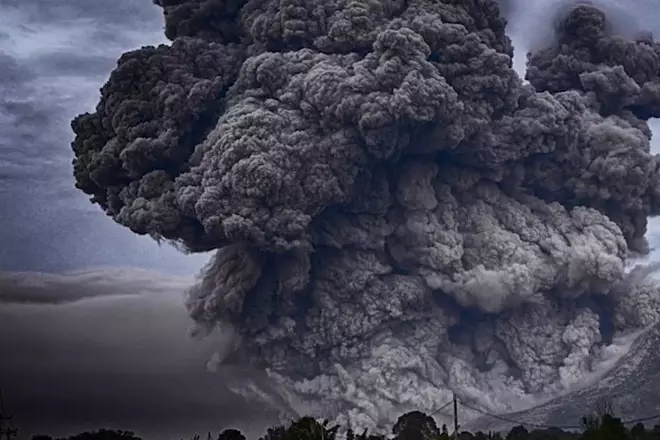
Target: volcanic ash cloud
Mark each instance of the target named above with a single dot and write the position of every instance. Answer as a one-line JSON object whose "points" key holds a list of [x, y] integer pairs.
{"points": [[394, 213]]}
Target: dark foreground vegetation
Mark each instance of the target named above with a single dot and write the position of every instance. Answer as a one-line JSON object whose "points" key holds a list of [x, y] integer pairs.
{"points": [[416, 426]]}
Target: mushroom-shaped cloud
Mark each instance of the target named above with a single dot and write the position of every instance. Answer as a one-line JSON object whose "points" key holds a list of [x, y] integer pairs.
{"points": [[394, 212]]}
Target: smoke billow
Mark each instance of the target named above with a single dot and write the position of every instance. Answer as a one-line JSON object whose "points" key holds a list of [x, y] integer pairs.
{"points": [[395, 213]]}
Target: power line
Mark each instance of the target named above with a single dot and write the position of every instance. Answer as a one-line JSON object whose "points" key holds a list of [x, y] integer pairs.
{"points": [[538, 425], [442, 407], [642, 419], [505, 419], [436, 411]]}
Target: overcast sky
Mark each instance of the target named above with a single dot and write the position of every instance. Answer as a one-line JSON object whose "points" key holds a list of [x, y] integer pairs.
{"points": [[105, 345], [54, 56]]}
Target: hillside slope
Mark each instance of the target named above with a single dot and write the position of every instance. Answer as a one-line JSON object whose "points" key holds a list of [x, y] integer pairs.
{"points": [[633, 386]]}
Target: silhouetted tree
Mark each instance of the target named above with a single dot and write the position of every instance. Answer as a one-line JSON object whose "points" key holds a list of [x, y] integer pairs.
{"points": [[415, 425], [605, 427], [106, 434], [638, 432], [480, 436], [306, 428], [231, 434], [276, 433], [464, 435], [518, 433]]}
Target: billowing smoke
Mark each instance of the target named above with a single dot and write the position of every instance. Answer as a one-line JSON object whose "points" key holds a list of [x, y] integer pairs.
{"points": [[395, 213]]}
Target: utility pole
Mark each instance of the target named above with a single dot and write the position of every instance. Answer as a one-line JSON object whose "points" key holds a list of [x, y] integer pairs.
{"points": [[7, 432], [455, 416]]}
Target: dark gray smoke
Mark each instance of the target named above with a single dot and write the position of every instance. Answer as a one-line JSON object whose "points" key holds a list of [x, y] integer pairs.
{"points": [[395, 213]]}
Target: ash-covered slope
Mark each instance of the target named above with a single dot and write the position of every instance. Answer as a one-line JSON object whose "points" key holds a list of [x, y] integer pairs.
{"points": [[395, 214], [632, 386]]}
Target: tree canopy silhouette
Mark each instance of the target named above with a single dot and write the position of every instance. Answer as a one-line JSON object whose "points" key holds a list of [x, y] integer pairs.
{"points": [[602, 424]]}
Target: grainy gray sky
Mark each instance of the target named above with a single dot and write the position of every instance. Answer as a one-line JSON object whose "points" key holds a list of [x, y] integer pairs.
{"points": [[55, 55], [106, 346]]}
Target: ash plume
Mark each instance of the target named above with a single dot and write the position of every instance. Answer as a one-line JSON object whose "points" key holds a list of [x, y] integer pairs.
{"points": [[395, 213]]}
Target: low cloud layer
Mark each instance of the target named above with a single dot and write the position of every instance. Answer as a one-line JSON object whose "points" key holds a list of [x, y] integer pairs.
{"points": [[110, 348], [49, 288]]}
